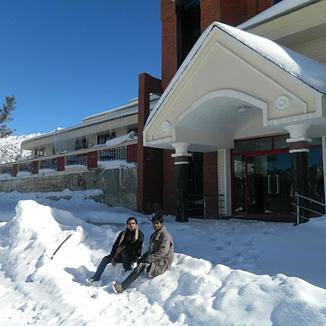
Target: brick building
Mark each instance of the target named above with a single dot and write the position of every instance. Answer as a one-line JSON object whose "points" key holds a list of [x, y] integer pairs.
{"points": [[236, 149]]}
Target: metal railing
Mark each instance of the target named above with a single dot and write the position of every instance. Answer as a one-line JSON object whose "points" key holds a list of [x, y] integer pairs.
{"points": [[80, 159], [48, 164], [200, 204], [303, 210], [77, 157], [25, 167], [117, 153]]}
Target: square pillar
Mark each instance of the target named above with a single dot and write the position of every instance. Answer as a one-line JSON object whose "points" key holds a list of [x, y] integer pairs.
{"points": [[92, 160], [35, 167], [60, 163]]}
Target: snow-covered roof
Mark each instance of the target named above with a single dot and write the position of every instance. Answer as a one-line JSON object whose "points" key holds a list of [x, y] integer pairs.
{"points": [[309, 71], [119, 112], [131, 106], [282, 8]]}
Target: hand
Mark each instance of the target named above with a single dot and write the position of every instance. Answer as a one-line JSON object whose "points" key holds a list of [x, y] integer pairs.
{"points": [[142, 259]]}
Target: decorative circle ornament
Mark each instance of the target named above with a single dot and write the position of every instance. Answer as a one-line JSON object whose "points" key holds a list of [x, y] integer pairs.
{"points": [[166, 126], [282, 103]]}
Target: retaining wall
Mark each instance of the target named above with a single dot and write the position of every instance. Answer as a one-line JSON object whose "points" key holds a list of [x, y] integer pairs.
{"points": [[118, 185]]}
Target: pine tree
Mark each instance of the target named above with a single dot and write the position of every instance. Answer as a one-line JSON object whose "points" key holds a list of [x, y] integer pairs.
{"points": [[5, 115]]}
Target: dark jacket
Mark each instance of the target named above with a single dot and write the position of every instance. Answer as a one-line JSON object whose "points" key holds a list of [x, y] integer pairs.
{"points": [[160, 253], [126, 240]]}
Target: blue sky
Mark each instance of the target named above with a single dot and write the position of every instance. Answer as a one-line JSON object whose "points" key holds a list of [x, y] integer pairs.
{"points": [[67, 59]]}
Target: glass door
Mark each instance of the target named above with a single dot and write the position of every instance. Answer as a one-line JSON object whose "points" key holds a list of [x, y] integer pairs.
{"points": [[268, 184], [261, 180]]}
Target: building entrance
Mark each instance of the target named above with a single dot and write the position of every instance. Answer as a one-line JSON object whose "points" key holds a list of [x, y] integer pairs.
{"points": [[262, 177]]}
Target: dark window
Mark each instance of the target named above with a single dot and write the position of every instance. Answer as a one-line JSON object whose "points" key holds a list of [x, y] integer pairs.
{"points": [[81, 143], [188, 27], [102, 139], [39, 152], [133, 129], [274, 2]]}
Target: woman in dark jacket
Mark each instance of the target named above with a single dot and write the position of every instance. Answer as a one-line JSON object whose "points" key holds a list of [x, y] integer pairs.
{"points": [[126, 249]]}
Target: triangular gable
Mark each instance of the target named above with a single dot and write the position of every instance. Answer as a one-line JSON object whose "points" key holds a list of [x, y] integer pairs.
{"points": [[297, 81]]}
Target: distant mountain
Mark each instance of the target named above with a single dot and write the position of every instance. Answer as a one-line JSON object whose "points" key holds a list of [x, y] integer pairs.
{"points": [[10, 148]]}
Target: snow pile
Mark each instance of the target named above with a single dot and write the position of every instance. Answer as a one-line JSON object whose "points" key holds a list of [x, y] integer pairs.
{"points": [[10, 148], [78, 203], [309, 71], [115, 164], [195, 291], [119, 140]]}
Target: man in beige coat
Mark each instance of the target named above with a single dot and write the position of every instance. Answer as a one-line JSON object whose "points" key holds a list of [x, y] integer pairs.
{"points": [[157, 259]]}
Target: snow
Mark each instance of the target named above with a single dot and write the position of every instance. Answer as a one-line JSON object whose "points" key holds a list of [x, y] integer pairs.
{"points": [[119, 140], [115, 164], [10, 148], [281, 8], [46, 171], [225, 272], [307, 70]]}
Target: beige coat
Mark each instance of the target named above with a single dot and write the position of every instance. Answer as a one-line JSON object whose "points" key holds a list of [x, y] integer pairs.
{"points": [[160, 253]]}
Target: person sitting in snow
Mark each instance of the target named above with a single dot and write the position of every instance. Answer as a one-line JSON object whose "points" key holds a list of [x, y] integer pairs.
{"points": [[126, 249], [156, 260]]}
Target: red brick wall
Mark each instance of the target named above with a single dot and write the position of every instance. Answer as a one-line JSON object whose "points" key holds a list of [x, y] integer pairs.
{"points": [[14, 170], [169, 41], [60, 163], [92, 160], [231, 12], [35, 167], [132, 153], [149, 167], [210, 11], [210, 183]]}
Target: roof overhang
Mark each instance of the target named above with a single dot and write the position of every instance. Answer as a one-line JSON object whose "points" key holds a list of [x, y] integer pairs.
{"points": [[226, 90]]}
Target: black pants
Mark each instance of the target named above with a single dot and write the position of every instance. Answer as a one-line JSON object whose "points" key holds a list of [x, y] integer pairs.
{"points": [[125, 258], [134, 275]]}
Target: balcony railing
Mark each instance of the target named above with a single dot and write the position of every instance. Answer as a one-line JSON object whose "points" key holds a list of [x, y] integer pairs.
{"points": [[48, 164], [118, 153], [80, 159], [87, 157]]}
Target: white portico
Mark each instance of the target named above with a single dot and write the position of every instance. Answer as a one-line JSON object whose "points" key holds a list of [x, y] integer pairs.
{"points": [[235, 85]]}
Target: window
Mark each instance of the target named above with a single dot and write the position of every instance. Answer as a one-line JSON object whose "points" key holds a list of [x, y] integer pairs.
{"points": [[101, 139], [39, 152], [81, 143], [133, 129], [188, 27]]}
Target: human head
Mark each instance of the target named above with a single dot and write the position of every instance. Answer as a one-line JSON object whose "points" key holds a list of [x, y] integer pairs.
{"points": [[157, 221], [132, 223]]}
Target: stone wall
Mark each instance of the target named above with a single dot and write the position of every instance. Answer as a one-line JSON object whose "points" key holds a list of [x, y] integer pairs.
{"points": [[118, 185]]}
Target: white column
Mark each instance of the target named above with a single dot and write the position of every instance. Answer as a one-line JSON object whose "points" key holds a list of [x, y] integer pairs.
{"points": [[181, 150], [298, 135]]}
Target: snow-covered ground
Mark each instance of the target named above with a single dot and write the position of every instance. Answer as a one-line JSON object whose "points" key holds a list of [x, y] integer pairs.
{"points": [[224, 273]]}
